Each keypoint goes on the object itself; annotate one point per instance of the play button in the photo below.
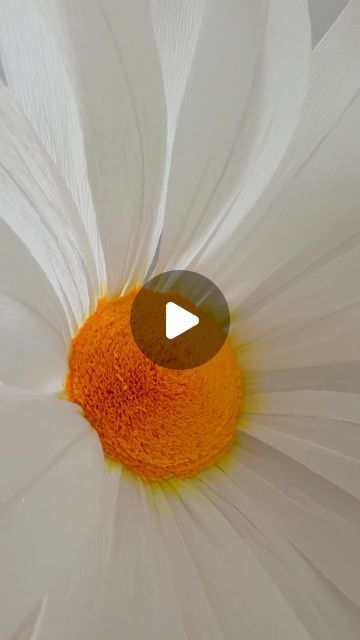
(179, 319)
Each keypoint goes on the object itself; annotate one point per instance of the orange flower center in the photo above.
(158, 422)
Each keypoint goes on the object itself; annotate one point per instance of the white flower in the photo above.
(193, 127)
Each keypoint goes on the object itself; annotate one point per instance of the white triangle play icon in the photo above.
(178, 320)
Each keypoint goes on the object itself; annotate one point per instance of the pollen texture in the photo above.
(158, 422)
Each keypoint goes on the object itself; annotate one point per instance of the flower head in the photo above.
(138, 137)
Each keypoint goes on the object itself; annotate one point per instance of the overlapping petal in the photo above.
(36, 73)
(123, 581)
(37, 206)
(95, 96)
(23, 280)
(302, 530)
(140, 568)
(310, 205)
(240, 107)
(51, 465)
(33, 355)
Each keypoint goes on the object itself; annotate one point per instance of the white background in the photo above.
(323, 14)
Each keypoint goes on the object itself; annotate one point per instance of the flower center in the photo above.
(158, 422)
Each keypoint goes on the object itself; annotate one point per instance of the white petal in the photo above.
(38, 208)
(298, 304)
(313, 220)
(177, 24)
(331, 338)
(123, 583)
(276, 529)
(51, 467)
(336, 435)
(234, 124)
(331, 451)
(142, 570)
(314, 195)
(199, 617)
(36, 73)
(323, 610)
(298, 312)
(310, 321)
(320, 520)
(319, 430)
(244, 600)
(344, 407)
(22, 279)
(112, 70)
(33, 355)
